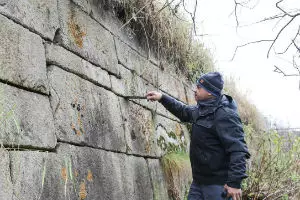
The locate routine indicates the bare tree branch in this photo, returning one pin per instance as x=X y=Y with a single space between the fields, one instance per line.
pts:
x=278 y=70
x=278 y=34
x=254 y=42
x=292 y=42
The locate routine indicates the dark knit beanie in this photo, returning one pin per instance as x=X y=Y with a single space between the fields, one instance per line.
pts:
x=212 y=82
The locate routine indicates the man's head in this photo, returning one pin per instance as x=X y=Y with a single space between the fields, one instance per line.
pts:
x=209 y=85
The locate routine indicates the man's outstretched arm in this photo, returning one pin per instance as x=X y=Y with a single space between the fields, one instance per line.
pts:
x=180 y=110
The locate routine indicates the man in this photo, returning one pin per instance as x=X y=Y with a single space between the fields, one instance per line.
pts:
x=218 y=151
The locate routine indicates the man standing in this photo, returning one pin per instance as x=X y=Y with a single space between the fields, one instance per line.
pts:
x=218 y=151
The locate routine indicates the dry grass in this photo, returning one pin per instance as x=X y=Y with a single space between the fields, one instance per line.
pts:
x=165 y=31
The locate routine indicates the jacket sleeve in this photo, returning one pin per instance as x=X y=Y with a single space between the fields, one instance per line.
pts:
x=230 y=131
x=180 y=110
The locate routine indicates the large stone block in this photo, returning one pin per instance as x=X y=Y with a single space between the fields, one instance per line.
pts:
x=190 y=97
x=171 y=86
x=107 y=175
x=84 y=113
x=59 y=56
x=83 y=35
x=27 y=120
x=30 y=172
x=131 y=85
x=159 y=183
x=38 y=15
x=170 y=135
x=6 y=189
x=133 y=61
x=139 y=128
x=80 y=173
x=22 y=57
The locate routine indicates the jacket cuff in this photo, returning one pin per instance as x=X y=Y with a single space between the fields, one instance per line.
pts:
x=165 y=98
x=234 y=184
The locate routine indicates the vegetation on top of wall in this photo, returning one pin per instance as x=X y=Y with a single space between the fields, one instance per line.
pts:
x=162 y=28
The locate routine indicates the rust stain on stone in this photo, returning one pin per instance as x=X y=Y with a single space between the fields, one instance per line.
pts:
x=82 y=192
x=76 y=31
x=76 y=173
x=64 y=173
x=89 y=176
x=178 y=130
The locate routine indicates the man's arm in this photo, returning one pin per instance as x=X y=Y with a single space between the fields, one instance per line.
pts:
x=180 y=110
x=230 y=131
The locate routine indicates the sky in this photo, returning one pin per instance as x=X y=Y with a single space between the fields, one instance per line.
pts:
x=277 y=97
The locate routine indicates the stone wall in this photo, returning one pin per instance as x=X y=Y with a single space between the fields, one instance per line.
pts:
x=68 y=129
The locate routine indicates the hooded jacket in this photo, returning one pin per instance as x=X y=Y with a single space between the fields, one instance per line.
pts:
x=218 y=151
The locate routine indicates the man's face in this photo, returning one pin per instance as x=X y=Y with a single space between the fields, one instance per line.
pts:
x=201 y=94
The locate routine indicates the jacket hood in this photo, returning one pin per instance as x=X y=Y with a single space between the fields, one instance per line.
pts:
x=228 y=101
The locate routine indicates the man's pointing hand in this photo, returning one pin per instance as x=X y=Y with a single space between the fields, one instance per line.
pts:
x=153 y=96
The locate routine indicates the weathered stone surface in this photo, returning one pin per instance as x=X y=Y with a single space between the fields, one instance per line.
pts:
x=6 y=188
x=28 y=119
x=133 y=61
x=70 y=62
x=131 y=85
x=139 y=128
x=84 y=113
x=170 y=135
x=38 y=15
x=22 y=57
x=83 y=35
x=171 y=86
x=190 y=95
x=158 y=180
x=108 y=175
x=84 y=5
x=80 y=173
x=29 y=172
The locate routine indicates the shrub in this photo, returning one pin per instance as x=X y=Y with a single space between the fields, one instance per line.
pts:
x=274 y=169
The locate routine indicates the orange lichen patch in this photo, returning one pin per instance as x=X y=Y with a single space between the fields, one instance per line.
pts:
x=64 y=173
x=76 y=173
x=148 y=147
x=76 y=32
x=78 y=132
x=89 y=176
x=82 y=192
x=178 y=130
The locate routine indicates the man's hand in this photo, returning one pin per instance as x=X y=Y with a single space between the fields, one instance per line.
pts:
x=154 y=96
x=235 y=193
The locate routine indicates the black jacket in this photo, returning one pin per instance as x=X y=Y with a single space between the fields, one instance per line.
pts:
x=218 y=151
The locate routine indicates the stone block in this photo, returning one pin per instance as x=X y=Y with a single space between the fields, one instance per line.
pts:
x=170 y=135
x=68 y=61
x=27 y=121
x=171 y=86
x=6 y=189
x=85 y=113
x=139 y=128
x=159 y=183
x=79 y=173
x=133 y=61
x=22 y=57
x=37 y=15
x=86 y=37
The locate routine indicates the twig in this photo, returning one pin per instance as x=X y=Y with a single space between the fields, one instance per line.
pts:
x=258 y=41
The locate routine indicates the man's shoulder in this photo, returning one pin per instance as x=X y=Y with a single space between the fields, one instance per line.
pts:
x=225 y=112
